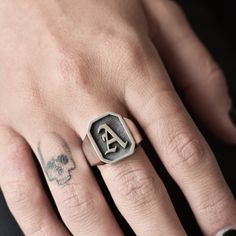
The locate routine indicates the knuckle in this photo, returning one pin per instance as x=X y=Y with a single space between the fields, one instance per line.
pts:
x=171 y=6
x=133 y=51
x=214 y=74
x=36 y=228
x=127 y=47
x=16 y=149
x=21 y=196
x=165 y=104
x=136 y=56
x=190 y=151
x=212 y=206
x=14 y=146
x=74 y=71
x=214 y=77
x=25 y=200
x=16 y=193
x=77 y=203
x=136 y=187
x=38 y=232
x=31 y=99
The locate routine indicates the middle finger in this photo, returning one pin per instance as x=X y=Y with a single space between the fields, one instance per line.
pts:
x=138 y=192
x=74 y=189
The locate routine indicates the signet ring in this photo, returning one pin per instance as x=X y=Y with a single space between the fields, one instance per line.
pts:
x=110 y=138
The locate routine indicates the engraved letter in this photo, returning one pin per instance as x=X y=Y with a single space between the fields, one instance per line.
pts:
x=114 y=138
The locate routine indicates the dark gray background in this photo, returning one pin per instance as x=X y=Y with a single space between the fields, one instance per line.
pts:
x=214 y=22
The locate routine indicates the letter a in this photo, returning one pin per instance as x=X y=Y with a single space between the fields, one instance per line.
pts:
x=115 y=138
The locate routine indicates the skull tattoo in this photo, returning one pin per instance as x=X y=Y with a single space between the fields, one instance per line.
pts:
x=60 y=168
x=56 y=158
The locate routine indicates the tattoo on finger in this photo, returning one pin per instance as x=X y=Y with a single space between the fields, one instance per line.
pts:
x=59 y=166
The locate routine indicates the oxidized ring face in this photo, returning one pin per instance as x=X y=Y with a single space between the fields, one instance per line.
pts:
x=111 y=138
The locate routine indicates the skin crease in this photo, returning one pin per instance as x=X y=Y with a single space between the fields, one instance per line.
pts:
x=63 y=63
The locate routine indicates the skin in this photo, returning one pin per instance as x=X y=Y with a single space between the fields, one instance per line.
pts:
x=63 y=64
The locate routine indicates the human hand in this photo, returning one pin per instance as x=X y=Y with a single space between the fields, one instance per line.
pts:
x=64 y=63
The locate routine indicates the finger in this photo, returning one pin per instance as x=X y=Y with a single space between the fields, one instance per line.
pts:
x=74 y=189
x=141 y=196
x=195 y=72
x=22 y=188
x=139 y=193
x=182 y=149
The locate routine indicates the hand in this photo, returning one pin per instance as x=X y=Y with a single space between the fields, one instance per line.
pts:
x=64 y=63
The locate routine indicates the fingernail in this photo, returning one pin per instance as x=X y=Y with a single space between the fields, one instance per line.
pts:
x=232 y=115
x=227 y=232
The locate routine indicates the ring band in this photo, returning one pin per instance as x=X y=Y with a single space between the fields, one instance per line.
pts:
x=110 y=138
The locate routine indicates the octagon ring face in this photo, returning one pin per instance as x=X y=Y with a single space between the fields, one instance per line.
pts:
x=111 y=138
